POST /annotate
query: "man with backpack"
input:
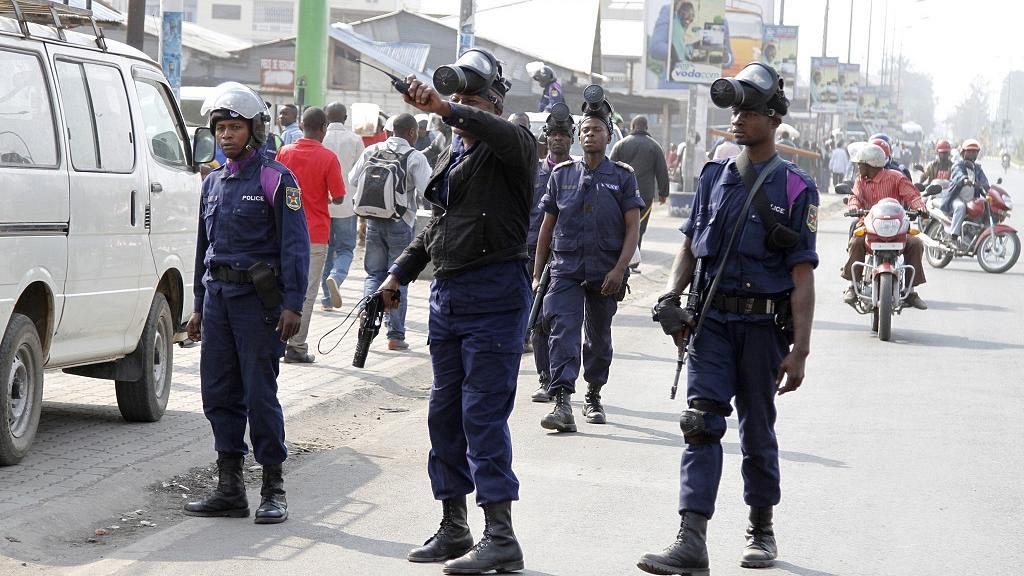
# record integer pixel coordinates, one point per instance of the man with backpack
(388, 177)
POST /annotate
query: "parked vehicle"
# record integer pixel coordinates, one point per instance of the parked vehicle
(886, 281)
(984, 236)
(98, 217)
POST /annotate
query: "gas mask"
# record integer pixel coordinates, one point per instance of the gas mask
(596, 106)
(559, 120)
(757, 88)
(476, 72)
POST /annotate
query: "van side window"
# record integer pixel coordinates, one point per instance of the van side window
(166, 140)
(27, 134)
(98, 119)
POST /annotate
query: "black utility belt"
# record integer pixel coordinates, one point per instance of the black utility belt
(746, 306)
(229, 274)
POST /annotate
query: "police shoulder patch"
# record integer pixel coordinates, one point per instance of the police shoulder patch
(812, 218)
(554, 93)
(622, 164)
(292, 198)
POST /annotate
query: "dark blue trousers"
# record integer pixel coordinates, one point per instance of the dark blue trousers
(238, 368)
(580, 320)
(477, 322)
(734, 359)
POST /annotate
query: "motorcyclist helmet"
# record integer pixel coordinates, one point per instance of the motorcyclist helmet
(882, 136)
(943, 146)
(970, 144)
(883, 145)
(234, 100)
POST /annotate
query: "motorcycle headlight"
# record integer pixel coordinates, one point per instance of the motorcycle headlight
(887, 228)
(1008, 201)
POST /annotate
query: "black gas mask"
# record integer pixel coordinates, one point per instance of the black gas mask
(596, 106)
(757, 88)
(475, 73)
(559, 120)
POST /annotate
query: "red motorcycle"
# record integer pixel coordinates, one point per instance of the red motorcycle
(886, 281)
(984, 236)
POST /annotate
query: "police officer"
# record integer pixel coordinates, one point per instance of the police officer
(558, 133)
(252, 260)
(553, 93)
(481, 190)
(591, 227)
(741, 351)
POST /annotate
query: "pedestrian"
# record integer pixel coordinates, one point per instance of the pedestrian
(591, 228)
(347, 146)
(422, 135)
(288, 120)
(387, 237)
(559, 135)
(726, 149)
(481, 189)
(319, 174)
(252, 257)
(839, 163)
(643, 153)
(765, 284)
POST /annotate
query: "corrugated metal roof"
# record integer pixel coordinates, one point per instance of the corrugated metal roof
(403, 58)
(196, 37)
(72, 12)
(101, 12)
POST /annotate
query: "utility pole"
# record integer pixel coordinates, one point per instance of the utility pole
(849, 38)
(824, 40)
(867, 61)
(136, 35)
(311, 54)
(885, 42)
(467, 27)
(170, 43)
(782, 12)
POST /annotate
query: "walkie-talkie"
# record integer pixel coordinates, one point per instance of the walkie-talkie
(400, 85)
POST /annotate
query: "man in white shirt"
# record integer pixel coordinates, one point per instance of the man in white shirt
(839, 163)
(387, 238)
(348, 146)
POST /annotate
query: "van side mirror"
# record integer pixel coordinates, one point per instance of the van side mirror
(919, 186)
(204, 147)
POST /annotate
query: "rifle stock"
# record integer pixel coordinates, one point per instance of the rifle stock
(538, 298)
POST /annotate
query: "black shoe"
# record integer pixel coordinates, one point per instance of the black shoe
(761, 550)
(228, 500)
(498, 550)
(451, 540)
(592, 407)
(541, 395)
(688, 555)
(295, 357)
(274, 506)
(915, 301)
(560, 418)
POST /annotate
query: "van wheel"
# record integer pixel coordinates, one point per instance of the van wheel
(145, 400)
(21, 388)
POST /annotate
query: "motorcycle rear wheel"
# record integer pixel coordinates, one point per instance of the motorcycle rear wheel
(884, 312)
(937, 257)
(990, 249)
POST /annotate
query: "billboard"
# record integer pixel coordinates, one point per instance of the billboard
(849, 87)
(780, 52)
(824, 88)
(686, 42)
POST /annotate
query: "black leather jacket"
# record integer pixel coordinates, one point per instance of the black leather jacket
(486, 216)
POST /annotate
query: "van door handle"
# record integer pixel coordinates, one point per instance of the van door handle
(133, 209)
(156, 188)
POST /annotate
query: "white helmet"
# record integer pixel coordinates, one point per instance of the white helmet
(234, 100)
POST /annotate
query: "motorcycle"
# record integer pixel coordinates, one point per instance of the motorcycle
(1006, 163)
(984, 236)
(886, 281)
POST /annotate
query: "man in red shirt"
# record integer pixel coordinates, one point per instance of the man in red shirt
(319, 176)
(874, 183)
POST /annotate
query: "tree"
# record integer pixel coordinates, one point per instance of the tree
(971, 117)
(917, 98)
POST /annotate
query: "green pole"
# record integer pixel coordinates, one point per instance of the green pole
(311, 54)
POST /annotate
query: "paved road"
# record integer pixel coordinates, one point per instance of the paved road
(899, 458)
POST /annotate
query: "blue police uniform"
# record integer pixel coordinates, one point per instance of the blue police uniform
(585, 246)
(553, 94)
(738, 356)
(539, 337)
(251, 212)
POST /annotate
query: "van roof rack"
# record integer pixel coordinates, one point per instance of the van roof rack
(59, 14)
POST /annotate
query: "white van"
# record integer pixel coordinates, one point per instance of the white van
(99, 200)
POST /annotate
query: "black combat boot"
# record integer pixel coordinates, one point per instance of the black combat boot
(560, 417)
(451, 540)
(273, 507)
(498, 550)
(592, 407)
(688, 555)
(229, 498)
(541, 395)
(761, 550)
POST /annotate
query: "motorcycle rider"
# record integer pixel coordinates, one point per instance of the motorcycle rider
(874, 183)
(1005, 157)
(939, 169)
(967, 181)
(883, 141)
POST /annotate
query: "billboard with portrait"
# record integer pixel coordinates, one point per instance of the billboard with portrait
(686, 42)
(849, 87)
(780, 51)
(824, 87)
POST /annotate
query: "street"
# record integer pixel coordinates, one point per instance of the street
(898, 458)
